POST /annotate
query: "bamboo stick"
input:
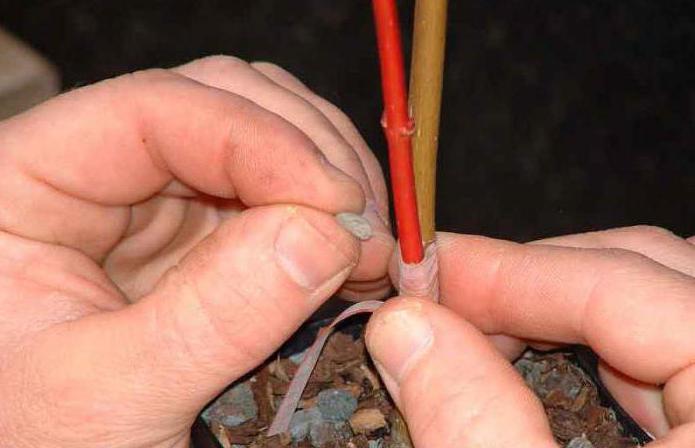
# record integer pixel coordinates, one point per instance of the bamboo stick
(426, 78)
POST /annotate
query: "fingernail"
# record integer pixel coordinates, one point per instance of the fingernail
(398, 339)
(358, 226)
(306, 254)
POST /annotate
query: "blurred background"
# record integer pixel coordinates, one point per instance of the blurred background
(558, 117)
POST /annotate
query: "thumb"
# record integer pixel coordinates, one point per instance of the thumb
(250, 285)
(228, 305)
(452, 386)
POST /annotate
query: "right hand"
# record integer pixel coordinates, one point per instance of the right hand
(627, 293)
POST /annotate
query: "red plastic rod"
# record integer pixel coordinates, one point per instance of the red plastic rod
(398, 128)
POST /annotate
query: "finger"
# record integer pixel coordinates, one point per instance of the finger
(618, 302)
(451, 385)
(644, 402)
(377, 207)
(654, 242)
(235, 75)
(359, 290)
(342, 123)
(679, 404)
(677, 438)
(221, 312)
(510, 347)
(72, 166)
(679, 397)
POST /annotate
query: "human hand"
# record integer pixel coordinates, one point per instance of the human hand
(162, 234)
(627, 293)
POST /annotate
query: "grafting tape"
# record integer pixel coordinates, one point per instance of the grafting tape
(420, 279)
(281, 422)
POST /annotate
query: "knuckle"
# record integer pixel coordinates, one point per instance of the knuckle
(141, 83)
(221, 62)
(282, 73)
(147, 77)
(648, 233)
(622, 260)
(619, 269)
(267, 65)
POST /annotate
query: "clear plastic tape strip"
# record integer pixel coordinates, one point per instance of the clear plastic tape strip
(281, 422)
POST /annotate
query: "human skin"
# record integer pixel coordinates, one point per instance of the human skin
(628, 293)
(162, 233)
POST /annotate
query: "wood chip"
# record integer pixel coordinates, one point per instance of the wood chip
(366, 421)
(221, 433)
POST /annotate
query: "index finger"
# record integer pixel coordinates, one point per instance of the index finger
(69, 167)
(635, 313)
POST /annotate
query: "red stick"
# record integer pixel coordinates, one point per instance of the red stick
(398, 128)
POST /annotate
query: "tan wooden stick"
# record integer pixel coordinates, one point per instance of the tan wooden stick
(426, 73)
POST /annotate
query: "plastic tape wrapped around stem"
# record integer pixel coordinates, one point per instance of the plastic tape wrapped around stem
(420, 279)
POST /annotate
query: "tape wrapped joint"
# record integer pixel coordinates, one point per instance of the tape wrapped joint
(420, 279)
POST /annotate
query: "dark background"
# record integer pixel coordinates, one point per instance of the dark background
(559, 116)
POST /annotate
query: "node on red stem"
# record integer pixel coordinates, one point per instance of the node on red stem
(398, 129)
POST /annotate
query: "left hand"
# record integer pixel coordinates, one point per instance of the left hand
(161, 234)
